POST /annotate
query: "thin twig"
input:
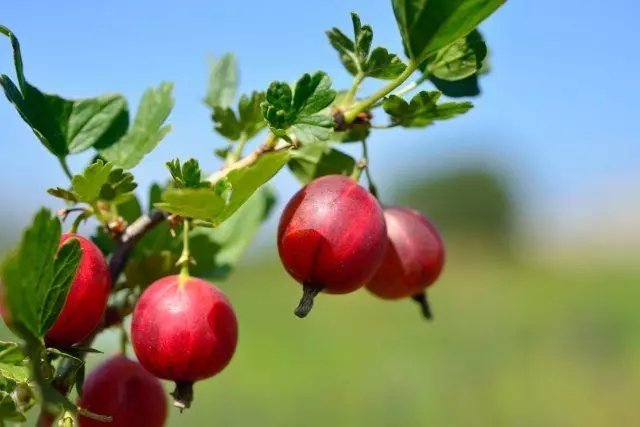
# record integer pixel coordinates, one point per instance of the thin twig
(128, 240)
(249, 159)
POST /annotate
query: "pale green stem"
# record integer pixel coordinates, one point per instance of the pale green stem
(185, 257)
(381, 93)
(406, 88)
(237, 153)
(351, 94)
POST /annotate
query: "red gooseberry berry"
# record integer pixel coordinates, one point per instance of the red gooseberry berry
(123, 390)
(184, 330)
(331, 237)
(413, 261)
(87, 299)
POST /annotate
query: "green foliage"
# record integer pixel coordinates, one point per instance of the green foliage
(64, 126)
(223, 81)
(220, 249)
(295, 112)
(228, 194)
(37, 277)
(429, 25)
(250, 120)
(226, 209)
(147, 130)
(455, 68)
(10, 353)
(313, 161)
(188, 176)
(423, 109)
(223, 85)
(99, 181)
(354, 54)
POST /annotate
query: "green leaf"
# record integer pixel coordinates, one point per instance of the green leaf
(354, 54)
(64, 126)
(10, 353)
(63, 194)
(229, 193)
(316, 160)
(65, 268)
(218, 250)
(37, 278)
(14, 373)
(466, 87)
(87, 186)
(118, 188)
(144, 270)
(188, 176)
(384, 65)
(423, 109)
(297, 113)
(223, 82)
(251, 120)
(429, 25)
(147, 130)
(226, 123)
(460, 59)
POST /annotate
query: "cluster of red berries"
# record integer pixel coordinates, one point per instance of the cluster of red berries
(333, 237)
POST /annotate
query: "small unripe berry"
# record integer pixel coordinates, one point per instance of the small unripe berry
(331, 237)
(123, 390)
(414, 258)
(184, 330)
(86, 301)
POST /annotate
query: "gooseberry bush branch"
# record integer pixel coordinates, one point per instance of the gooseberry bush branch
(199, 224)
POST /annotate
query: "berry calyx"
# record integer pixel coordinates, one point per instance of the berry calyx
(87, 299)
(123, 390)
(331, 237)
(184, 330)
(413, 261)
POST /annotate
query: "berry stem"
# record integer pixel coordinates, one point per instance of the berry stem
(309, 292)
(182, 395)
(422, 301)
(185, 257)
(373, 189)
(76, 222)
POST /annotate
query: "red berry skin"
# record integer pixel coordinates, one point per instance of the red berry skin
(123, 390)
(414, 258)
(332, 235)
(86, 301)
(184, 332)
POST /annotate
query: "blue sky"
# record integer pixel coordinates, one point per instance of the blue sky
(559, 108)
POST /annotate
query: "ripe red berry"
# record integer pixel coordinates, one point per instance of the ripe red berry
(123, 390)
(184, 331)
(413, 261)
(86, 301)
(331, 237)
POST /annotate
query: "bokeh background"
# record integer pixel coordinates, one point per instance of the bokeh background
(535, 190)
